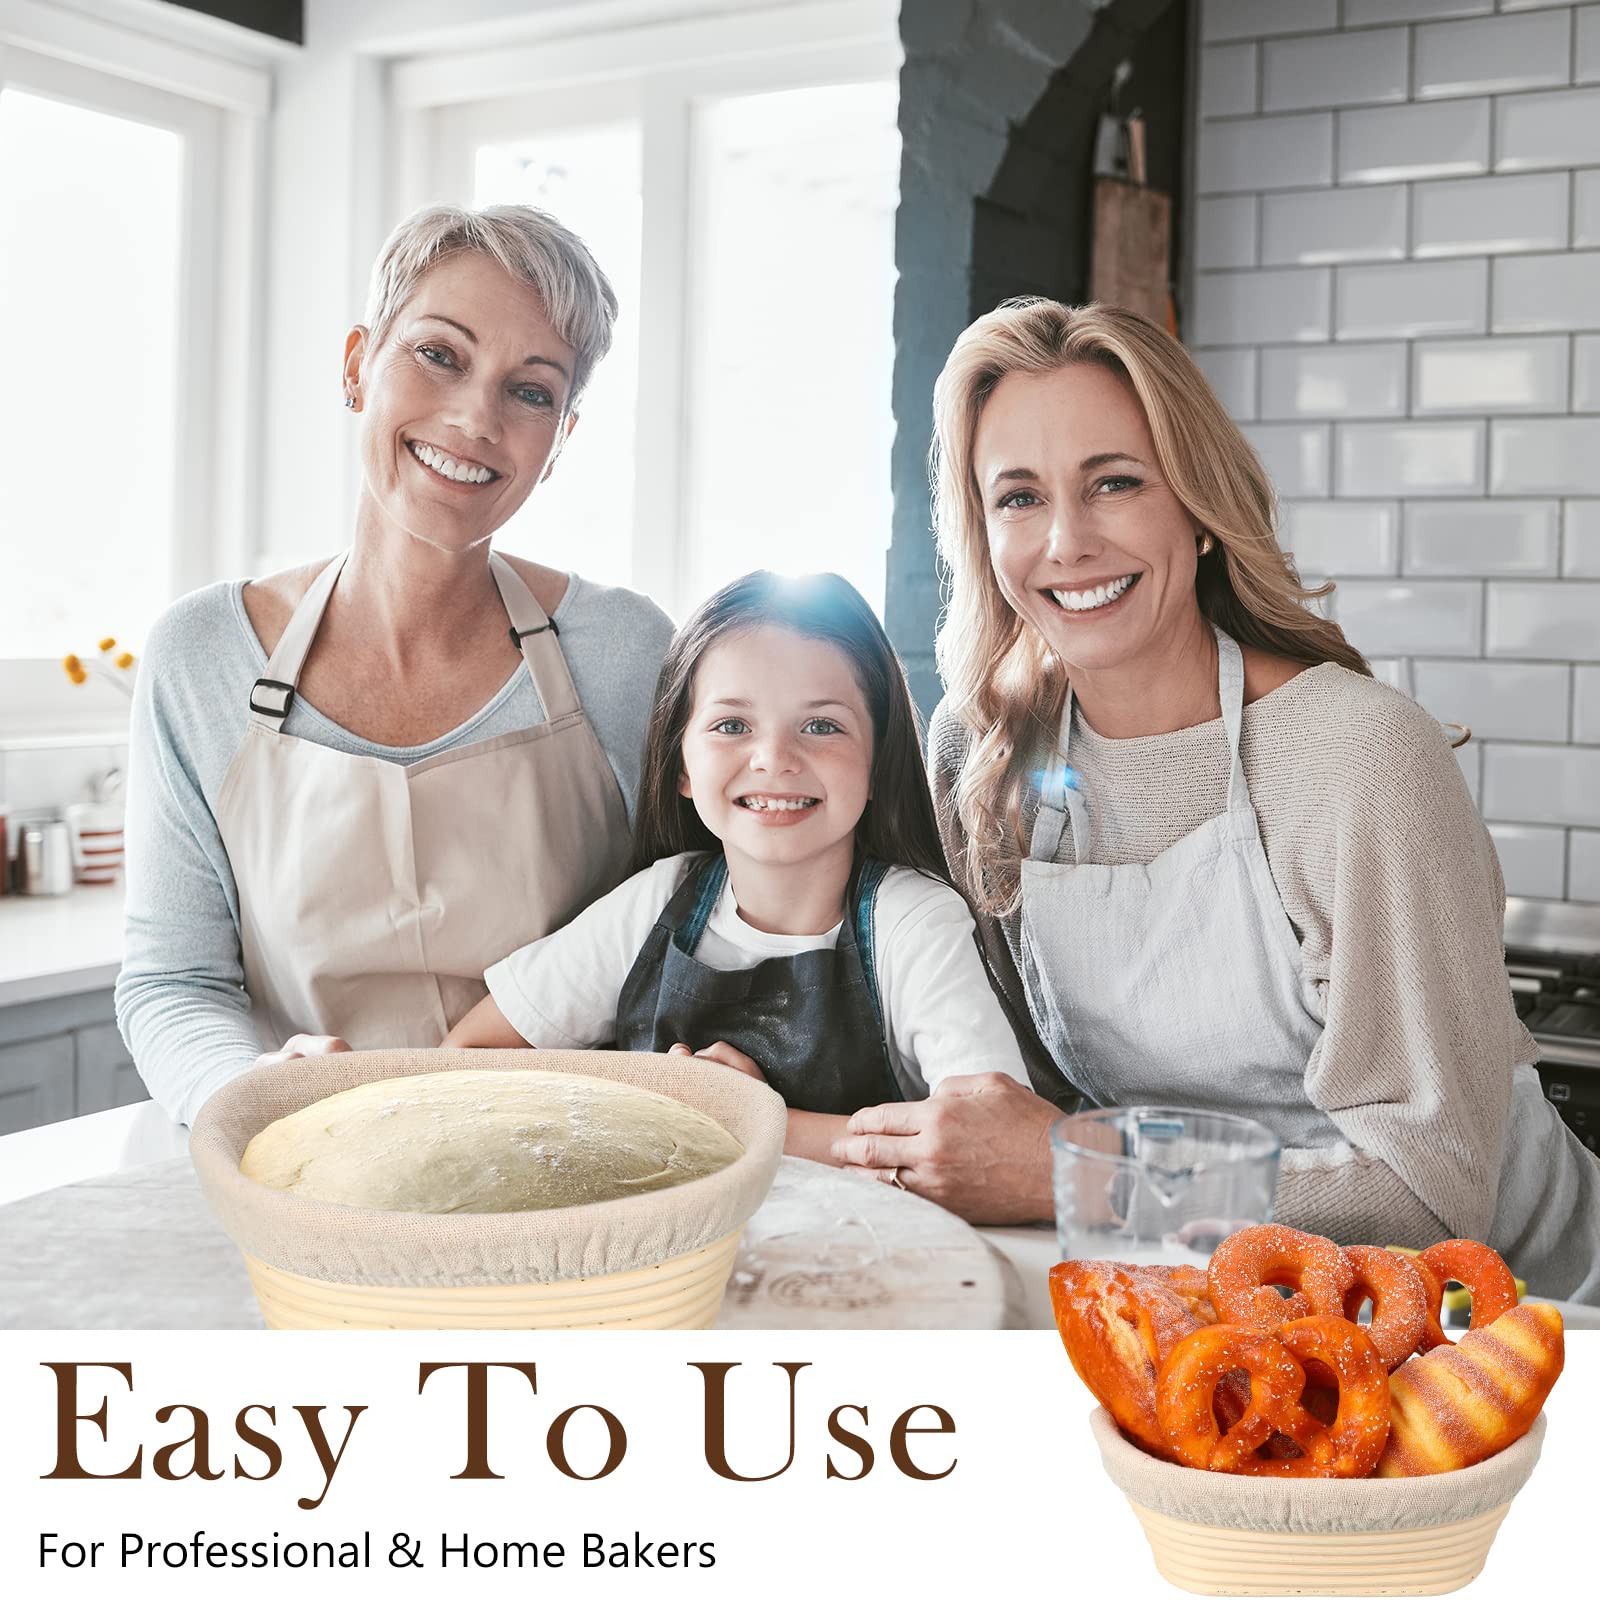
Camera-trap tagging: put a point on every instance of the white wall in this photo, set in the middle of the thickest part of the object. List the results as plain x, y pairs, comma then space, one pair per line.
330, 205
1396, 288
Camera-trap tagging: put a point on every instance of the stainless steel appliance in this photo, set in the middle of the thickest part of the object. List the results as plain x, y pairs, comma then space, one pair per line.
44, 858
1553, 961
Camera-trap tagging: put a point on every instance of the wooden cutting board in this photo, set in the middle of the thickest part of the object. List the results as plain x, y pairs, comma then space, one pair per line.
1132, 241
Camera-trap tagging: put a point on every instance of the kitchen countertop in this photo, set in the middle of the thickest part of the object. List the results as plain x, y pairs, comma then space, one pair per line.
827, 1249
54, 945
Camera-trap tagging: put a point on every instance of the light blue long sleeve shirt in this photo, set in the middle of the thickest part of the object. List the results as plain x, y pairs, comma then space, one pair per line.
181, 1003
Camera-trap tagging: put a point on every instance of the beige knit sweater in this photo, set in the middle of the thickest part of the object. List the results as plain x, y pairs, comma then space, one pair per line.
1391, 883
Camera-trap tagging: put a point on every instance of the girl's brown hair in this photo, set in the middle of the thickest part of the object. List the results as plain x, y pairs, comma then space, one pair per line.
898, 824
1000, 679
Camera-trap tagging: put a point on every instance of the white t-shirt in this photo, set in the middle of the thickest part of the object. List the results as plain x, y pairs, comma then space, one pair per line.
943, 1020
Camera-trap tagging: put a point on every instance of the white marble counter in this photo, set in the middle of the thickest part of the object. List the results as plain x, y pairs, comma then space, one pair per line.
59, 944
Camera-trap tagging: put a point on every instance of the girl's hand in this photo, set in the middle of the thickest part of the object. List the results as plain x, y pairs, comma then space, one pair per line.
725, 1055
302, 1044
979, 1146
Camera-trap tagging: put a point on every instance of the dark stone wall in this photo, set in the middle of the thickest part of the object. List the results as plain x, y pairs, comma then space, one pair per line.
999, 102
283, 19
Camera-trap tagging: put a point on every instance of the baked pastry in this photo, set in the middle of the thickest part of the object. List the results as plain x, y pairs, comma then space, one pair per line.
1462, 1403
475, 1141
1247, 1263
1118, 1327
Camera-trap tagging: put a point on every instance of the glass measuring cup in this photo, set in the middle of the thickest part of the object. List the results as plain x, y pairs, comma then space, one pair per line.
1158, 1184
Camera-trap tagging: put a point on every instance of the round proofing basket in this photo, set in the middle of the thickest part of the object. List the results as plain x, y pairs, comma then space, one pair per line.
658, 1260
1218, 1533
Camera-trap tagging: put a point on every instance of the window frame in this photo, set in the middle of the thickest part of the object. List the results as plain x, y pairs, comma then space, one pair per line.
219, 108
655, 74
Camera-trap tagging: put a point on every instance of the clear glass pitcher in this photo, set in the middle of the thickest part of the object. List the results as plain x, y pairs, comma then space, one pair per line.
1159, 1184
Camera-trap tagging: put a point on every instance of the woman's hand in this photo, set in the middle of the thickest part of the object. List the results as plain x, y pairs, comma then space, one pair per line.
725, 1055
302, 1044
978, 1146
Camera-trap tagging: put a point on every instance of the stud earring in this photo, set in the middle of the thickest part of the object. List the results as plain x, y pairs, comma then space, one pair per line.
350, 402
1205, 544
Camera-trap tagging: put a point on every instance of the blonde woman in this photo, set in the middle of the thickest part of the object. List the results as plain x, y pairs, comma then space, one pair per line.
359, 783
1218, 865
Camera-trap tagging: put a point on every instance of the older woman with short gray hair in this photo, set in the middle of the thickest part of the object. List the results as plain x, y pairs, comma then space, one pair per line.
358, 783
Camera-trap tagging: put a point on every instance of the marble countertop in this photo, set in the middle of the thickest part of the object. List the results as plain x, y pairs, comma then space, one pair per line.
59, 944
138, 1248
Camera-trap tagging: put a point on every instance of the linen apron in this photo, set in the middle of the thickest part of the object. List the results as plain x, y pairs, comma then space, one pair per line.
1180, 982
812, 1021
373, 895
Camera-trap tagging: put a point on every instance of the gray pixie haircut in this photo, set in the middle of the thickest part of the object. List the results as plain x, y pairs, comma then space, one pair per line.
530, 244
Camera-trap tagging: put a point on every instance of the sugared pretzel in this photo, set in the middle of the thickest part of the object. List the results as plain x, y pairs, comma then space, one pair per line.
1480, 1272
1399, 1300
1433, 1333
1245, 1264
1186, 1394
1349, 1446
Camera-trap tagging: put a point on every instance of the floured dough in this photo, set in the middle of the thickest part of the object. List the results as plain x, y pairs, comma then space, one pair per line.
485, 1142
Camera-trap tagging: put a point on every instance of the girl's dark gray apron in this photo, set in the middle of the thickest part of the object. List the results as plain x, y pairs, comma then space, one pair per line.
812, 1022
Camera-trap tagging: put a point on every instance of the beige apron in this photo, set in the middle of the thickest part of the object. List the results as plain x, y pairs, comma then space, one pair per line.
372, 895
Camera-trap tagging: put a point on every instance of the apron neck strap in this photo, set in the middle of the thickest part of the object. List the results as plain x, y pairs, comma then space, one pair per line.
273, 692
1230, 691
535, 635
1059, 797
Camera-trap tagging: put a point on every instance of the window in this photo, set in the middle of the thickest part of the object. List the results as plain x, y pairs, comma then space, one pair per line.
737, 179
90, 239
789, 424
129, 174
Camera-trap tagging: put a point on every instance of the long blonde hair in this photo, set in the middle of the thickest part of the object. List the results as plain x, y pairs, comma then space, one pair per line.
1001, 680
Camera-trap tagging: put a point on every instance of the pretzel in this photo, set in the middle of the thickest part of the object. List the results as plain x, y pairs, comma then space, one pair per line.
1247, 1262
1400, 1303
1349, 1446
1186, 1394
1480, 1272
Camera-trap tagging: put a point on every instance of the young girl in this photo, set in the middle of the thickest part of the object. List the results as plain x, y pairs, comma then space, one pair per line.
792, 918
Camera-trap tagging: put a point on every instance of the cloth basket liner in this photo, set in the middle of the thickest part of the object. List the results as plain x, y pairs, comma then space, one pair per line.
1314, 1505
354, 1244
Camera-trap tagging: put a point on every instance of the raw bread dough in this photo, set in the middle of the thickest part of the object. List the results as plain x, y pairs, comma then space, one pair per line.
487, 1141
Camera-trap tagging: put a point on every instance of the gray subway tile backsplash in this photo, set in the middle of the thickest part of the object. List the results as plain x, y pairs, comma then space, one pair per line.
1493, 55
1411, 334
1497, 699
1540, 783
1544, 621
1482, 538
1411, 300
1490, 216
1389, 144
1341, 538
1544, 455
1560, 128
1533, 859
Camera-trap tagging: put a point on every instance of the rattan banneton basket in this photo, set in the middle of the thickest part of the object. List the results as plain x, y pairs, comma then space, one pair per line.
657, 1260
1217, 1533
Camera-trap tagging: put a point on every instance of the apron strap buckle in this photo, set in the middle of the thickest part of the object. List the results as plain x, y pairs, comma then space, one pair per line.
284, 692
518, 635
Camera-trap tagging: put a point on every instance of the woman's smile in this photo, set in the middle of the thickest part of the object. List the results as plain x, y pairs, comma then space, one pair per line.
460, 472
1091, 599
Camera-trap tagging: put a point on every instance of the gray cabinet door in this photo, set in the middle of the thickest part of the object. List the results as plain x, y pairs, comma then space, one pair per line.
36, 1082
106, 1075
